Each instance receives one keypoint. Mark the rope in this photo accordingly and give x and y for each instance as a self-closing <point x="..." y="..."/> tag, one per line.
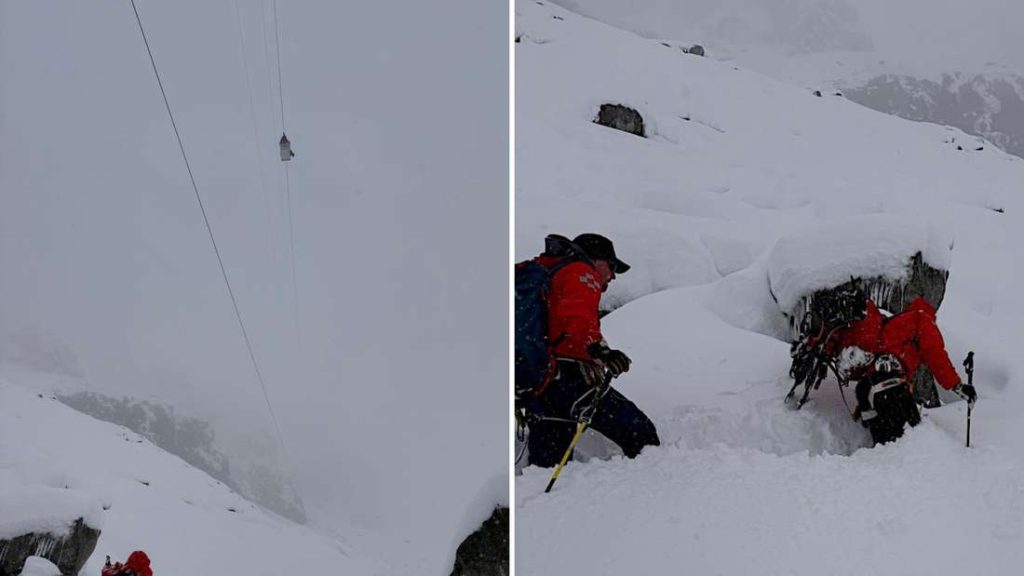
<point x="252" y="115"/>
<point x="277" y="42"/>
<point x="266" y="57"/>
<point x="209" y="229"/>
<point x="842" y="384"/>
<point x="520" y="434"/>
<point x="520" y="455"/>
<point x="291" y="242"/>
<point x="287" y="183"/>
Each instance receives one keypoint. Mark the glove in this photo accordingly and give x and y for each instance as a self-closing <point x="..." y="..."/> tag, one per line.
<point x="615" y="361"/>
<point x="967" y="392"/>
<point x="593" y="372"/>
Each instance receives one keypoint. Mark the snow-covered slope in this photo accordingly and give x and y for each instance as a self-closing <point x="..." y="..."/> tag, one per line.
<point x="735" y="162"/>
<point x="990" y="105"/>
<point x="58" y="464"/>
<point x="950" y="63"/>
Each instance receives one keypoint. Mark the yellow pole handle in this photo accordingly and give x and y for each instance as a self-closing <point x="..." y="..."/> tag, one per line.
<point x="580" y="427"/>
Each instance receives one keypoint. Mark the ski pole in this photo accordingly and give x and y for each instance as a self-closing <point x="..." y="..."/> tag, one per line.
<point x="969" y="367"/>
<point x="581" y="424"/>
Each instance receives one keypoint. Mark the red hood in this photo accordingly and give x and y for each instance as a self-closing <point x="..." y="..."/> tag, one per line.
<point x="138" y="563"/>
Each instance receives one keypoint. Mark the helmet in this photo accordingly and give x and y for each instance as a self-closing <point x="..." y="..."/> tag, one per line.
<point x="888" y="364"/>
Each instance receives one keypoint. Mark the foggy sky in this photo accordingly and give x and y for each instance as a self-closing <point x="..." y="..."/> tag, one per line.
<point x="917" y="34"/>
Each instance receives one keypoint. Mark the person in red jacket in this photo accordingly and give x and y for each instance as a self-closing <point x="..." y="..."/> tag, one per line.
<point x="882" y="354"/>
<point x="136" y="565"/>
<point x="583" y="358"/>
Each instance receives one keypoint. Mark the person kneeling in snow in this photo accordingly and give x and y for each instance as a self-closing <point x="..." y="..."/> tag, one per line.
<point x="581" y="355"/>
<point x="136" y="565"/>
<point x="881" y="355"/>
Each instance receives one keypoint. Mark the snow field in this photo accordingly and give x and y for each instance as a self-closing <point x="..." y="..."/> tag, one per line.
<point x="735" y="166"/>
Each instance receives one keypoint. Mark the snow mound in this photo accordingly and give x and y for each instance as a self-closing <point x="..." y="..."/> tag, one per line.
<point x="36" y="566"/>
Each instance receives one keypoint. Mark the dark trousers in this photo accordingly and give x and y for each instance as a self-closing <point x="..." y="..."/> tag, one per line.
<point x="553" y="423"/>
<point x="894" y="407"/>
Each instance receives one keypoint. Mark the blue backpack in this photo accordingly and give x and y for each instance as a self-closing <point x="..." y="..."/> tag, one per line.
<point x="535" y="365"/>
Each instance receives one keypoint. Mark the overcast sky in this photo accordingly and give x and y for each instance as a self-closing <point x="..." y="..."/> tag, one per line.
<point x="396" y="369"/>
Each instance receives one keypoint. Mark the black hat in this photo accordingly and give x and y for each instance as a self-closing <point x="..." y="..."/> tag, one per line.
<point x="597" y="247"/>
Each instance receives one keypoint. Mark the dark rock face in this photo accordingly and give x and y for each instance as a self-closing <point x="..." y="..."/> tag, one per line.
<point x="68" y="553"/>
<point x="486" y="551"/>
<point x="990" y="106"/>
<point x="622" y="118"/>
<point x="923" y="281"/>
<point x="696" y="50"/>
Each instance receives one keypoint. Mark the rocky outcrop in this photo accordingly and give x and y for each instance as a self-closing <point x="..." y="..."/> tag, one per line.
<point x="486" y="551"/>
<point x="622" y="118"/>
<point x="192" y="440"/>
<point x="986" y="105"/>
<point x="68" y="552"/>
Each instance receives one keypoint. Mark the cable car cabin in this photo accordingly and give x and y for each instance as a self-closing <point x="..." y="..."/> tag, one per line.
<point x="286" y="149"/>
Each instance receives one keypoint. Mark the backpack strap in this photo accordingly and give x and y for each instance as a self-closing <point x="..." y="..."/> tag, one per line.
<point x="558" y="246"/>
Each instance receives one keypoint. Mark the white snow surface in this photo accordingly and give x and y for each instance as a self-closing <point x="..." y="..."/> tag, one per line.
<point x="711" y="211"/>
<point x="36" y="566"/>
<point x="863" y="247"/>
<point x="52" y="459"/>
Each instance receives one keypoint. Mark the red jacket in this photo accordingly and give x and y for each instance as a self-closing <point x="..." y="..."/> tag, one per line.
<point x="573" y="298"/>
<point x="137" y="565"/>
<point x="912" y="336"/>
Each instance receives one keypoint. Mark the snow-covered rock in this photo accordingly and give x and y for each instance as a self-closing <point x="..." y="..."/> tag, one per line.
<point x="486" y="551"/>
<point x="66" y="544"/>
<point x="893" y="259"/>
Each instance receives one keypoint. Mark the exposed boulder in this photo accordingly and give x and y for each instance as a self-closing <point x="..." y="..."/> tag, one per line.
<point x="622" y="118"/>
<point x="68" y="552"/>
<point x="486" y="551"/>
<point x="696" y="50"/>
